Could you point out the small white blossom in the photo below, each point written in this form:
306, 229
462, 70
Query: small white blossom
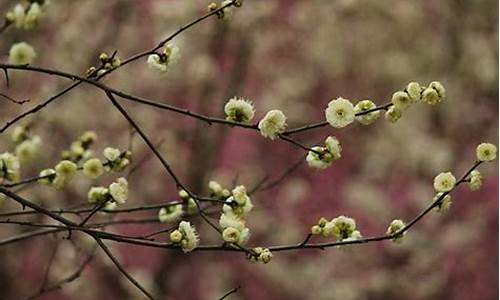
28, 149
93, 168
322, 157
444, 204
414, 90
21, 54
32, 16
486, 152
66, 169
394, 228
240, 195
189, 239
393, 114
119, 190
111, 154
343, 227
16, 15
262, 255
98, 194
475, 180
366, 118
444, 182
164, 60
340, 112
48, 176
239, 110
170, 213
401, 100
9, 166
273, 123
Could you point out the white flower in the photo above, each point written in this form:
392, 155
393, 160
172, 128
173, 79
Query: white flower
190, 238
48, 176
32, 16
444, 204
21, 53
240, 195
164, 60
444, 182
239, 110
401, 100
66, 169
16, 15
215, 188
333, 146
355, 235
28, 149
97, 194
265, 256
237, 209
170, 213
476, 180
366, 118
93, 168
322, 157
231, 235
111, 154
315, 160
393, 114
9, 166
273, 123
414, 90
436, 85
434, 93
486, 152
343, 227
339, 113
119, 190
394, 228
19, 134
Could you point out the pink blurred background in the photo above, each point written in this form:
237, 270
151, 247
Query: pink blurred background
294, 56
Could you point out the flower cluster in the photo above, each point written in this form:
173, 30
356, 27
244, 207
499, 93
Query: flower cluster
321, 157
340, 112
188, 201
239, 110
342, 227
60, 175
170, 213
26, 16
26, 144
115, 193
108, 63
79, 150
21, 54
414, 93
185, 236
273, 123
162, 61
260, 254
117, 160
232, 219
217, 191
394, 228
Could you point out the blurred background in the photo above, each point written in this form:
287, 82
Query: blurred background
294, 56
